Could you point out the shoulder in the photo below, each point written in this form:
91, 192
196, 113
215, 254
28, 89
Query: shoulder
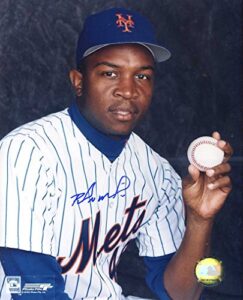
37, 141
43, 129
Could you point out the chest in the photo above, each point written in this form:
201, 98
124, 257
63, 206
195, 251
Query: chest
101, 201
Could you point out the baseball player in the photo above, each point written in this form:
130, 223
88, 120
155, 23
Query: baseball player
77, 185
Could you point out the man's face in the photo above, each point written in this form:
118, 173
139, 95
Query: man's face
117, 85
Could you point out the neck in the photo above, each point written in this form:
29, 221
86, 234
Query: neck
110, 145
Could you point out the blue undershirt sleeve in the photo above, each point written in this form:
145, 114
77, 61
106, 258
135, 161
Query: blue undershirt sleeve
155, 270
34, 268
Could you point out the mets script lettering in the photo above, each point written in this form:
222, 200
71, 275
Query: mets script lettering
87, 250
88, 196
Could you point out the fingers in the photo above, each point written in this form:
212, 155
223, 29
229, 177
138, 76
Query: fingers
191, 178
193, 172
219, 178
216, 135
223, 183
226, 147
215, 173
219, 170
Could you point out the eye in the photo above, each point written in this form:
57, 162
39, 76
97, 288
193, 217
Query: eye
109, 74
143, 76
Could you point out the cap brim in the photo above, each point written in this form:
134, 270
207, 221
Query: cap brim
159, 53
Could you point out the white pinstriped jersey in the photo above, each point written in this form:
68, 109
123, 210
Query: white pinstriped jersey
61, 196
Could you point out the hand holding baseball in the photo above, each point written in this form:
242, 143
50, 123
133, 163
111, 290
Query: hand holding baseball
205, 191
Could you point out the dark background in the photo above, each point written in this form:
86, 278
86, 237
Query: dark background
197, 91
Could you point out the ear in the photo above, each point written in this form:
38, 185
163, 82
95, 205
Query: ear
76, 79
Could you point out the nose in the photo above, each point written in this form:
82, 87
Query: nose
126, 88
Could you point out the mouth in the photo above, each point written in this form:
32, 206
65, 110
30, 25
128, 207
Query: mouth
123, 114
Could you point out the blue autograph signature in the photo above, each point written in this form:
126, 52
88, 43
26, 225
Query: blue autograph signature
88, 196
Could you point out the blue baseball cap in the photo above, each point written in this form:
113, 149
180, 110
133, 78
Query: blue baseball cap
118, 26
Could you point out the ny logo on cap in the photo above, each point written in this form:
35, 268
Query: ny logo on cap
123, 22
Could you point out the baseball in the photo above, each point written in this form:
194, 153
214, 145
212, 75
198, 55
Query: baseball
204, 153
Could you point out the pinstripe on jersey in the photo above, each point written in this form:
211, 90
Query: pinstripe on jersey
59, 195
